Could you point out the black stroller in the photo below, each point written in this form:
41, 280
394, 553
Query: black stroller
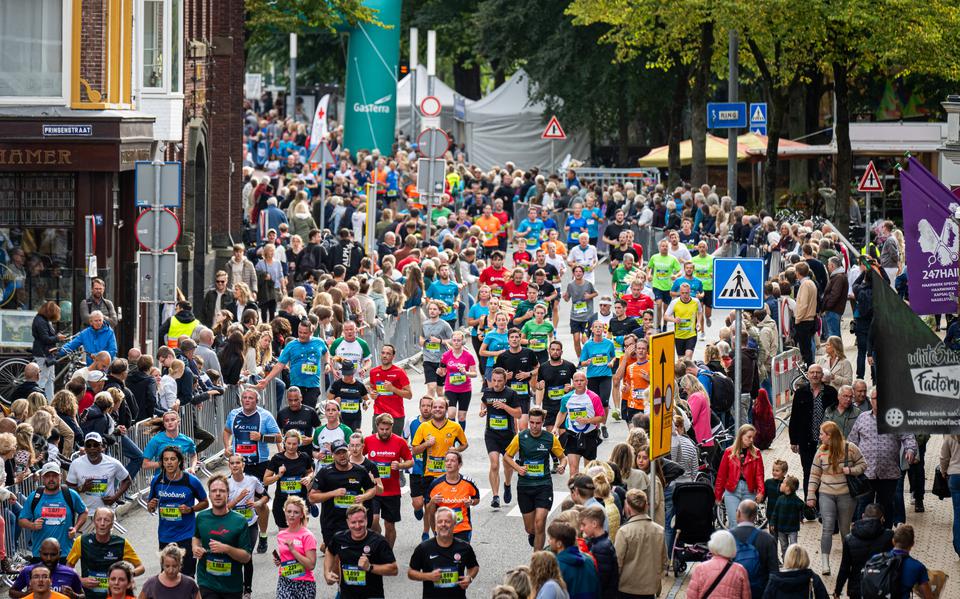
692, 522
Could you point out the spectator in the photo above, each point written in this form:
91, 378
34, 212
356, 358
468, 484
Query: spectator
30, 384
719, 577
95, 338
810, 404
913, 574
786, 514
950, 468
867, 538
837, 370
219, 297
45, 339
579, 571
65, 404
806, 312
740, 476
170, 582
546, 582
269, 219
640, 550
95, 302
764, 560
241, 270
183, 322
845, 413
518, 579
143, 387
795, 580
598, 541
834, 297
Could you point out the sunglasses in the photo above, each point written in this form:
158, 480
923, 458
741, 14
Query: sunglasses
91, 444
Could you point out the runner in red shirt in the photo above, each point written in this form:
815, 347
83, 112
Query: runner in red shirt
391, 387
495, 275
515, 290
391, 454
637, 301
505, 225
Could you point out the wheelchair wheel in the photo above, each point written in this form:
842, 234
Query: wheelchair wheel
679, 566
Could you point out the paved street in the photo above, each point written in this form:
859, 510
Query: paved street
499, 538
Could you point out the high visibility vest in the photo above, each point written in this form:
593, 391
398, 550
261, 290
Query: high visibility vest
177, 329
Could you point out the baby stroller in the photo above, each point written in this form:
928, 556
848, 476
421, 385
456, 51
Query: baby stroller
693, 523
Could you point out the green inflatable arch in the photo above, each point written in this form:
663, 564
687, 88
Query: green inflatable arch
371, 89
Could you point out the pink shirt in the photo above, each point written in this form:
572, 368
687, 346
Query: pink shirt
700, 414
452, 364
304, 541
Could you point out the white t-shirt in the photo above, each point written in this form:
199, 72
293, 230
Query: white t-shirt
681, 253
253, 487
586, 258
107, 476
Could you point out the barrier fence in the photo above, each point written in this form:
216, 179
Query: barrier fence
784, 369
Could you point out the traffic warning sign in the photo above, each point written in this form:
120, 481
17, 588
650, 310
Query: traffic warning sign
553, 130
870, 182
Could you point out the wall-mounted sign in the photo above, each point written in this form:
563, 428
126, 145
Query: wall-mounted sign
62, 130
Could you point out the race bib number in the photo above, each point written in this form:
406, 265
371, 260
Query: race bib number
103, 581
520, 387
446, 310
344, 501
171, 514
580, 308
99, 487
308, 369
382, 388
685, 324
326, 458
535, 470
292, 569
514, 303
458, 378
435, 464
53, 515
449, 578
384, 470
591, 222
354, 576
577, 414
599, 361
487, 236
538, 344
429, 346
246, 512
555, 393
350, 406
291, 485
219, 566
639, 394
499, 423
246, 448
575, 235
457, 515
497, 291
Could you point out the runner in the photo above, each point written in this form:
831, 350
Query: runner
457, 367
703, 270
598, 355
520, 367
337, 487
576, 226
696, 290
221, 544
296, 553
677, 249
585, 255
536, 334
293, 470
477, 317
605, 314
548, 292
352, 349
332, 430
635, 377
444, 564
594, 217
249, 498
495, 342
530, 229
528, 454
97, 551
391, 455
392, 387
541, 264
490, 225
515, 288
418, 487
434, 439
295, 416
447, 292
637, 301
249, 430
620, 326
662, 268
581, 412
350, 394
308, 358
454, 491
525, 308
177, 495
501, 407
357, 559
624, 274
436, 333
556, 376
580, 294
357, 457
683, 312
170, 435
495, 275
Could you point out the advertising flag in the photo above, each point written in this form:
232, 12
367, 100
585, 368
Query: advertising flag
319, 130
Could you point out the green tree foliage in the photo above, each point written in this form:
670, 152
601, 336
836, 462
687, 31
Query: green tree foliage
266, 19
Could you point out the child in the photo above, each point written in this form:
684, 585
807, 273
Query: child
784, 519
167, 399
771, 486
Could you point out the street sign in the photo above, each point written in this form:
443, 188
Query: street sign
430, 106
870, 182
459, 108
758, 118
324, 154
167, 277
726, 115
430, 180
149, 222
433, 143
145, 184
553, 130
662, 393
738, 283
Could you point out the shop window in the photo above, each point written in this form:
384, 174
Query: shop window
161, 47
33, 48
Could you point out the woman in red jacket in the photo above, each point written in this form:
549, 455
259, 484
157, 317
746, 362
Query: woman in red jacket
741, 474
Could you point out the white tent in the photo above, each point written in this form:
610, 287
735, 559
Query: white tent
506, 126
443, 92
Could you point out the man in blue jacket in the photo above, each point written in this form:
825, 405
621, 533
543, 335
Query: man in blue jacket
578, 570
95, 338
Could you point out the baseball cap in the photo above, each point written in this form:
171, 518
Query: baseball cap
347, 367
50, 467
96, 376
606, 300
337, 446
93, 437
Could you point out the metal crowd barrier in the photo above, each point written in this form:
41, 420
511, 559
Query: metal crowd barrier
784, 368
401, 331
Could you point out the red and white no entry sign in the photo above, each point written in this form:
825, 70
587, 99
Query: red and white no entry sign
430, 106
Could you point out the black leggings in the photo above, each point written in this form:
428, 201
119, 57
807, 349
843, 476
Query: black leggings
601, 386
268, 309
203, 437
253, 530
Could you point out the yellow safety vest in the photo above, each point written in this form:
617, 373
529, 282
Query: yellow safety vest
177, 329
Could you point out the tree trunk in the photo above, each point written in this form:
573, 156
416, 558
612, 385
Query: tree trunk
623, 131
466, 81
841, 215
699, 96
799, 178
675, 130
777, 107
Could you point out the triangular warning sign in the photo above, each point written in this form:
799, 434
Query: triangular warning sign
870, 182
758, 116
738, 286
553, 130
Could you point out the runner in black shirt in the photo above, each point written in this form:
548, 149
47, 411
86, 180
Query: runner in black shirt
337, 487
521, 366
444, 564
542, 264
297, 416
358, 558
556, 377
546, 291
350, 394
292, 469
621, 325
501, 406
355, 449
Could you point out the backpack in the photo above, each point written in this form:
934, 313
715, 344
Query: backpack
67, 497
763, 421
881, 576
748, 557
723, 395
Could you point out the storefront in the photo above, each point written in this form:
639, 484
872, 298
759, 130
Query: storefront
57, 167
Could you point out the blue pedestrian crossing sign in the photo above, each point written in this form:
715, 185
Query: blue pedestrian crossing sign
758, 118
738, 283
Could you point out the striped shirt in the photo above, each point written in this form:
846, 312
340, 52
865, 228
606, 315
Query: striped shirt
832, 481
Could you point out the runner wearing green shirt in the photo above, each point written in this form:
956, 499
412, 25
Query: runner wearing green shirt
662, 269
537, 333
221, 544
529, 455
621, 272
703, 270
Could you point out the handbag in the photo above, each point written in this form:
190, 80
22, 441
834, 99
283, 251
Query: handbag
859, 484
940, 487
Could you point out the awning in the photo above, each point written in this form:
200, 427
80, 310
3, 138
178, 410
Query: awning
716, 153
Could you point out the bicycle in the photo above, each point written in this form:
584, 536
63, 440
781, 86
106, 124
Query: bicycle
12, 370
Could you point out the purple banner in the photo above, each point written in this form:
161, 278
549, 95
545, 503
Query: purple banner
931, 239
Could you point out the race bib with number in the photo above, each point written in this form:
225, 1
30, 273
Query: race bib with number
354, 576
350, 406
344, 501
246, 512
99, 487
497, 291
435, 464
382, 388
538, 344
449, 578
555, 393
447, 310
520, 387
458, 378
171, 514
574, 235
292, 569
599, 360
429, 346
219, 566
499, 423
291, 485
577, 414
580, 308
535, 470
384, 470
308, 368
246, 448
53, 514
103, 581
639, 394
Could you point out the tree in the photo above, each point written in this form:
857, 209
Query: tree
266, 19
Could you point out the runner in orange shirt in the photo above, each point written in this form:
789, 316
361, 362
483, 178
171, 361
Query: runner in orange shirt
490, 225
456, 492
634, 375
